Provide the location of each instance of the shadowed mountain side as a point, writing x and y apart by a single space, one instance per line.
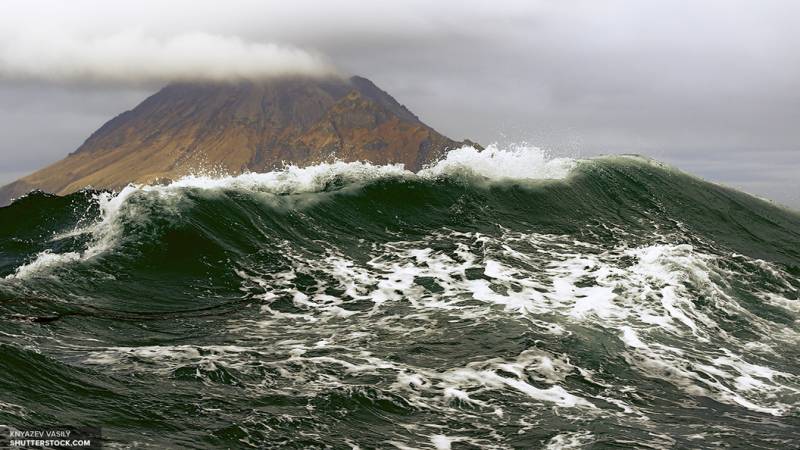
244 126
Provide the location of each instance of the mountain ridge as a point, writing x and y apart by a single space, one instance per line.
233 127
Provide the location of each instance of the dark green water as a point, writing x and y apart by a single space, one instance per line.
621 304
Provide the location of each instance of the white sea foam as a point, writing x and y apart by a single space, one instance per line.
442 442
568 441
640 294
517 162
43 262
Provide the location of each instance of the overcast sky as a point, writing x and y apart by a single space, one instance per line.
712 87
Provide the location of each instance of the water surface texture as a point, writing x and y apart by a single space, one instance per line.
499 299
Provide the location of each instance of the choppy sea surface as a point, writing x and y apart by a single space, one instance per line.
499 299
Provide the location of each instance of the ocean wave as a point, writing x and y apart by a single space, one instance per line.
499 299
493 164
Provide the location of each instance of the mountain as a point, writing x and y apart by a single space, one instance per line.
233 127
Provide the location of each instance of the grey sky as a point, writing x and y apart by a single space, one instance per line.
712 87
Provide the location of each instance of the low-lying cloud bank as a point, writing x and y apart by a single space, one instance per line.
133 57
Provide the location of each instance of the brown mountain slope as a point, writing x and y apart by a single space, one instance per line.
243 126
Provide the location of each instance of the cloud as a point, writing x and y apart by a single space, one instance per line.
674 79
133 57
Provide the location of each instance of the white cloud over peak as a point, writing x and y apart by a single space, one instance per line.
131 56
